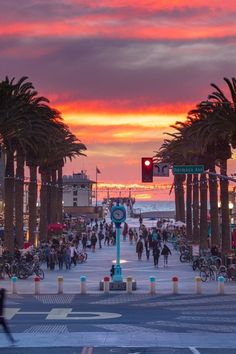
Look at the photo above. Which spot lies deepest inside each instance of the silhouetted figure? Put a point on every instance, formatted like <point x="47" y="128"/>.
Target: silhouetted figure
<point x="2" y="319"/>
<point x="112" y="271"/>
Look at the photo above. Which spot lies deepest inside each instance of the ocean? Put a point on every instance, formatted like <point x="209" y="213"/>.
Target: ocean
<point x="144" y="206"/>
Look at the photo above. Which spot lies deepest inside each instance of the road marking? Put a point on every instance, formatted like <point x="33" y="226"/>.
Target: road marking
<point x="194" y="350"/>
<point x="11" y="312"/>
<point x="63" y="314"/>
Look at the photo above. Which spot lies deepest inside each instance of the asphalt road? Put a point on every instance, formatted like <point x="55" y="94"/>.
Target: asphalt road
<point x="115" y="350"/>
<point x="121" y="323"/>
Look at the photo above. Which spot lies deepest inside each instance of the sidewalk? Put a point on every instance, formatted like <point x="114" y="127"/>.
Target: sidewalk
<point x="99" y="263"/>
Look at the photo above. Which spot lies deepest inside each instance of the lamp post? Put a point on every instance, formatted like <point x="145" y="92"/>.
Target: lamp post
<point x="231" y="206"/>
<point x="96" y="190"/>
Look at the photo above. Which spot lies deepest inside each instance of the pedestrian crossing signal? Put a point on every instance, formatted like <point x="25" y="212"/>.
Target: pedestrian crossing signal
<point x="147" y="169"/>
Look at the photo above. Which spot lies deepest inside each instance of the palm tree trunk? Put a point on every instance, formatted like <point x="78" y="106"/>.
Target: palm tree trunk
<point x="43" y="225"/>
<point x="49" y="193"/>
<point x="9" y="203"/>
<point x="19" y="199"/>
<point x="214" y="213"/>
<point x="189" y="227"/>
<point x="60" y="195"/>
<point x="196" y="234"/>
<point x="224" y="198"/>
<point x="177" y="206"/>
<point x="33" y="194"/>
<point x="53" y="196"/>
<point x="203" y="213"/>
<point x="181" y="198"/>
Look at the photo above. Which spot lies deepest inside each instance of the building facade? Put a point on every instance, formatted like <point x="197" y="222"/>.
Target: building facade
<point x="77" y="190"/>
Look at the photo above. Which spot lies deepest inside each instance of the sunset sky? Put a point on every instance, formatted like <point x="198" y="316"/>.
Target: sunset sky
<point x="120" y="71"/>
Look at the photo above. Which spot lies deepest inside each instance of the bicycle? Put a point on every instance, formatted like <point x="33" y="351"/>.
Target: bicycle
<point x="186" y="257"/>
<point x="208" y="272"/>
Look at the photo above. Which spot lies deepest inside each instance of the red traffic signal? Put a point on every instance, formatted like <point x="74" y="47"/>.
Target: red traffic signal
<point x="147" y="169"/>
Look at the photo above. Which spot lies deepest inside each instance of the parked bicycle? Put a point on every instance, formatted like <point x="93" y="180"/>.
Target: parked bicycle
<point x="208" y="272"/>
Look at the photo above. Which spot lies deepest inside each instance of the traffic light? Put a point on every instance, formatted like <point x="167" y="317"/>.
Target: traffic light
<point x="147" y="169"/>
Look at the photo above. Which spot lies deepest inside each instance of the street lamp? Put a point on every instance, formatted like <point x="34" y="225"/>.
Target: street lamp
<point x="231" y="206"/>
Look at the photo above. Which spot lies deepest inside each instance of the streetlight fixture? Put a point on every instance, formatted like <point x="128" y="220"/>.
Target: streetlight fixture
<point x="231" y="206"/>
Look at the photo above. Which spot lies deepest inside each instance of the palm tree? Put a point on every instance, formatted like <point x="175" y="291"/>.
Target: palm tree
<point x="217" y="131"/>
<point x="13" y="97"/>
<point x="171" y="152"/>
<point x="43" y="119"/>
<point x="65" y="145"/>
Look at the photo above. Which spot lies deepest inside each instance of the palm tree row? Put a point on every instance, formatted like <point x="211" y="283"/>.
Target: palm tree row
<point x="207" y="137"/>
<point x="32" y="134"/>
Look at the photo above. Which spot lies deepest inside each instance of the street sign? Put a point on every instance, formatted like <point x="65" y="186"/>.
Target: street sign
<point x="161" y="169"/>
<point x="187" y="169"/>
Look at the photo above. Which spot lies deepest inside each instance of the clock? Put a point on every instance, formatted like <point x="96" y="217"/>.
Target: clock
<point x="118" y="214"/>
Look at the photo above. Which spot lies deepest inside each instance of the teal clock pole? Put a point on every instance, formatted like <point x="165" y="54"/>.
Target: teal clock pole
<point x="118" y="215"/>
<point x="118" y="273"/>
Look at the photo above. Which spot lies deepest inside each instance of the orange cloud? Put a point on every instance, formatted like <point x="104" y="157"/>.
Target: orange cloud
<point x="174" y="31"/>
<point x="69" y="108"/>
<point x="106" y="134"/>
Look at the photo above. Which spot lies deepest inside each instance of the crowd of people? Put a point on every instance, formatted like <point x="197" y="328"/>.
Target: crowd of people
<point x="64" y="250"/>
<point x="153" y="241"/>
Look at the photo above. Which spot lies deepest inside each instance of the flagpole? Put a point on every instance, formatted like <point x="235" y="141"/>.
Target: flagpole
<point x="96" y="190"/>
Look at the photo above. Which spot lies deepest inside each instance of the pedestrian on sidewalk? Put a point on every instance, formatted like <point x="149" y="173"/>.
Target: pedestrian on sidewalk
<point x="155" y="253"/>
<point x="100" y="238"/>
<point x="147" y="249"/>
<point x="125" y="231"/>
<point x="84" y="241"/>
<point x="131" y="236"/>
<point x="165" y="252"/>
<point x="112" y="271"/>
<point x="93" y="241"/>
<point x="139" y="249"/>
<point x="107" y="238"/>
<point x="2" y="318"/>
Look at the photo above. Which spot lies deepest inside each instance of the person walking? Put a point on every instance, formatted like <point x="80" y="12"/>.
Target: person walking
<point x="165" y="252"/>
<point x="131" y="236"/>
<point x="107" y="238"/>
<point x="100" y="238"/>
<point x="93" y="241"/>
<point x="112" y="271"/>
<point x="125" y="231"/>
<point x="2" y="318"/>
<point x="155" y="253"/>
<point x="139" y="249"/>
<point x="147" y="249"/>
<point x="84" y="241"/>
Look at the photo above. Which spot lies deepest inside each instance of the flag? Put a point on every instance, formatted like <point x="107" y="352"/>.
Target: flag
<point x="97" y="170"/>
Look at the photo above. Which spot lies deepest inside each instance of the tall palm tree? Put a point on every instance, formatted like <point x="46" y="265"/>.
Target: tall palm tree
<point x="171" y="152"/>
<point x="65" y="145"/>
<point x="13" y="98"/>
<point x="216" y="136"/>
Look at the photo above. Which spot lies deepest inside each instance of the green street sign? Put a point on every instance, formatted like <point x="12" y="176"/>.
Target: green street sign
<point x="187" y="169"/>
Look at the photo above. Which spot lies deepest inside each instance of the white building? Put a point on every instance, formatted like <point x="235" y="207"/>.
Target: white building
<point x="77" y="190"/>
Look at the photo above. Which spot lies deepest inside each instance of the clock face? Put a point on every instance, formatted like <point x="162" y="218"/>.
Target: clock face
<point x="118" y="214"/>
